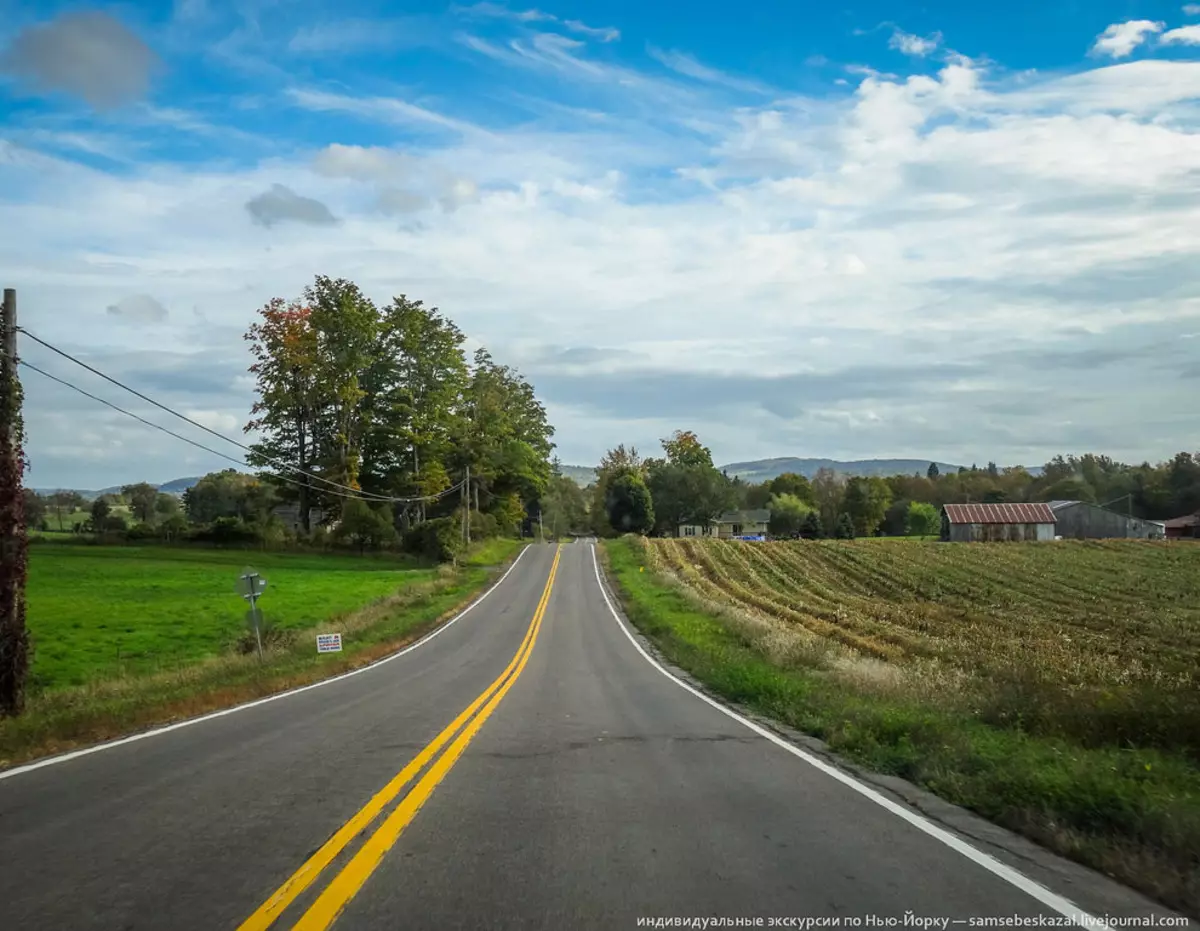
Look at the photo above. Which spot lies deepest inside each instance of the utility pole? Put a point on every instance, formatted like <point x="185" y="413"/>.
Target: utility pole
<point x="14" y="640"/>
<point x="467" y="508"/>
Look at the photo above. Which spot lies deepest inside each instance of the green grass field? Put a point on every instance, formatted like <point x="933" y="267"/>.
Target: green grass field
<point x="97" y="612"/>
<point x="126" y="638"/>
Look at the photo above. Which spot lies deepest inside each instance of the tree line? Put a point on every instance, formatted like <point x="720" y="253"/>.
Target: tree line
<point x="656" y="496"/>
<point x="372" y="423"/>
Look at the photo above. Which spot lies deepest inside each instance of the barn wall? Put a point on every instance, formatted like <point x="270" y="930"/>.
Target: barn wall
<point x="1095" y="523"/>
<point x="997" y="533"/>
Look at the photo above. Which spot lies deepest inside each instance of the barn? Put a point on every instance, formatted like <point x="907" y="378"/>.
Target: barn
<point x="989" y="523"/>
<point x="1079" y="520"/>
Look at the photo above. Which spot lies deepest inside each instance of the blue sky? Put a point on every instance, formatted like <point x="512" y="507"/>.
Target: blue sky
<point x="934" y="230"/>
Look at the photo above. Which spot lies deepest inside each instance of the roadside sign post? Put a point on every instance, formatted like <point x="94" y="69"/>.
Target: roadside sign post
<point x="250" y="586"/>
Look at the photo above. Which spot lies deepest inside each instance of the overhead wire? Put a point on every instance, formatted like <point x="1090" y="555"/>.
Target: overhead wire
<point x="209" y="449"/>
<point x="174" y="413"/>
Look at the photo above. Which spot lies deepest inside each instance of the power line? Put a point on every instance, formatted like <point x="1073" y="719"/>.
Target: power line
<point x="356" y="493"/>
<point x="209" y="449"/>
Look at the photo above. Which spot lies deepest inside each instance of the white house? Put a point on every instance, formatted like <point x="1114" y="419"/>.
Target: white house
<point x="731" y="525"/>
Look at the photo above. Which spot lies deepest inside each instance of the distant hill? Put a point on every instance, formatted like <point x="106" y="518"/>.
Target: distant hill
<point x="174" y="487"/>
<point x="581" y="475"/>
<point x="761" y="470"/>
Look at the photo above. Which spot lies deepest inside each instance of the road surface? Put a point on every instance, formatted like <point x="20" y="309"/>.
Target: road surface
<point x="584" y="788"/>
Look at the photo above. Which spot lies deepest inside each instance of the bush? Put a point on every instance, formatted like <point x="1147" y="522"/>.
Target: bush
<point x="225" y="531"/>
<point x="483" y="525"/>
<point x="142" y="531"/>
<point x="439" y="539"/>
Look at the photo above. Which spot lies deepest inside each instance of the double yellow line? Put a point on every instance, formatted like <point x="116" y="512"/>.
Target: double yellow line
<point x="325" y="910"/>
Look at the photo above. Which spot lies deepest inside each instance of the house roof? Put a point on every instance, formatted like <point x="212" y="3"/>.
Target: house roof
<point x="1000" y="513"/>
<point x="752" y="516"/>
<point x="1178" y="523"/>
<point x="1055" y="505"/>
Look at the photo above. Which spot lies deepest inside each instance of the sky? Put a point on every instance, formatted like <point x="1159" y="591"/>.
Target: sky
<point x="939" y="230"/>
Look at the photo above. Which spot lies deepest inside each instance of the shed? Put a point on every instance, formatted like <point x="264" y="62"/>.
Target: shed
<point x="1080" y="520"/>
<point x="1183" y="528"/>
<point x="982" y="523"/>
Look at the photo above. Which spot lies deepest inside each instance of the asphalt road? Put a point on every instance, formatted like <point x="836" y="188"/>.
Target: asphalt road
<point x="589" y="791"/>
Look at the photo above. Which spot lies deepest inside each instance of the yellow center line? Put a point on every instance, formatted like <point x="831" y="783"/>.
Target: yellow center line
<point x="272" y="908"/>
<point x="350" y="880"/>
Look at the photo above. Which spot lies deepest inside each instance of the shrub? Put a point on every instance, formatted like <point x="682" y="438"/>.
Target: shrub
<point x="142" y="531"/>
<point x="439" y="539"/>
<point x="225" y="531"/>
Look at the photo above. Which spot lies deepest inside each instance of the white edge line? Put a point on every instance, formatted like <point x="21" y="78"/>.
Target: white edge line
<point x="1011" y="876"/>
<point x="108" y="745"/>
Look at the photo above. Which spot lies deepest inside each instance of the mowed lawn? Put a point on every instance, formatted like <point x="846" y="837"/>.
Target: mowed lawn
<point x="100" y="612"/>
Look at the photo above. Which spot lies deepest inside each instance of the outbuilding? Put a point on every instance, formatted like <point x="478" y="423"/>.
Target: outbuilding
<point x="990" y="523"/>
<point x="1183" y="528"/>
<point x="1079" y="520"/>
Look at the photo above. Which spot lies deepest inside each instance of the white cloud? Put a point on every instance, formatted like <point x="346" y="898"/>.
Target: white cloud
<point x="1120" y="39"/>
<point x="917" y="46"/>
<point x="386" y="109"/>
<point x="685" y="64"/>
<point x="813" y="274"/>
<point x="1191" y="9"/>
<point x="498" y="11"/>
<point x="1184" y="35"/>
<point x="350" y="35"/>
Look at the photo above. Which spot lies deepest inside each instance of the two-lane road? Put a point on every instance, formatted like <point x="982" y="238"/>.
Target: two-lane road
<point x="526" y="767"/>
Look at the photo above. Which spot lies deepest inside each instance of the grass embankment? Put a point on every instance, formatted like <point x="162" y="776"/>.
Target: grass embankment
<point x="1050" y="688"/>
<point x="176" y="620"/>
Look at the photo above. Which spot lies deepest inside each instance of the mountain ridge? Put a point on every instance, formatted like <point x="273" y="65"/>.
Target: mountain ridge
<point x="760" y="470"/>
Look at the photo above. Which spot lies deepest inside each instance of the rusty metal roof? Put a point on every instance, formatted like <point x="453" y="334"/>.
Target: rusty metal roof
<point x="1000" y="513"/>
<point x="1178" y="523"/>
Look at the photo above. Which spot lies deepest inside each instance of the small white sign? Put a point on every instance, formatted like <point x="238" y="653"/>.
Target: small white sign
<point x="329" y="643"/>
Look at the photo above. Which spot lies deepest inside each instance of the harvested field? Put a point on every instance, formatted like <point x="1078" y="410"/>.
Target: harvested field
<point x="1099" y="640"/>
<point x="1051" y="687"/>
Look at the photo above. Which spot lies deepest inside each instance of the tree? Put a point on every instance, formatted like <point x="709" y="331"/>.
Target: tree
<point x="284" y="346"/>
<point x="628" y="504"/>
<point x="932" y="472"/>
<point x="414" y="401"/>
<point x="827" y="488"/>
<point x="228" y="494"/>
<point x="683" y="448"/>
<point x="100" y="511"/>
<point x="844" y="528"/>
<point x="564" y="508"/>
<point x="63" y="503"/>
<point x="363" y="526"/>
<point x="923" y="520"/>
<point x="685" y="486"/>
<point x="810" y="527"/>
<point x="165" y="506"/>
<point x="789" y="483"/>
<point x="141" y="498"/>
<point x="788" y="513"/>
<point x="35" y="507"/>
<point x="866" y="500"/>
<point x="615" y="462"/>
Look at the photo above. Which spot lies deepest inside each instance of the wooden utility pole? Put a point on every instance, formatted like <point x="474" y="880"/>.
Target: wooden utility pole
<point x="14" y="640"/>
<point x="467" y="509"/>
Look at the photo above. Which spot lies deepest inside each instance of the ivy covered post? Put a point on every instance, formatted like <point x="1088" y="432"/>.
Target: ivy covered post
<point x="14" y="640"/>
